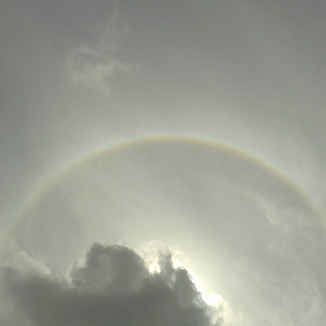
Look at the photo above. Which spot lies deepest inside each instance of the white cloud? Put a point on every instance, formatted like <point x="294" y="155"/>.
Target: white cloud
<point x="92" y="68"/>
<point x="111" y="285"/>
<point x="95" y="66"/>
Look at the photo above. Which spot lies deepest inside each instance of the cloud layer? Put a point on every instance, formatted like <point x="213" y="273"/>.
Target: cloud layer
<point x="111" y="285"/>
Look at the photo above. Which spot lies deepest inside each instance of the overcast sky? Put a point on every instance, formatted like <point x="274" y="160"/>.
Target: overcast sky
<point x="208" y="120"/>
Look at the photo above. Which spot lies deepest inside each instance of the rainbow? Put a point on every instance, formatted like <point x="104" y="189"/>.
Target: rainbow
<point x="127" y="144"/>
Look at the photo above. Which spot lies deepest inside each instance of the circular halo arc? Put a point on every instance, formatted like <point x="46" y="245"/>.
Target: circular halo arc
<point x="124" y="145"/>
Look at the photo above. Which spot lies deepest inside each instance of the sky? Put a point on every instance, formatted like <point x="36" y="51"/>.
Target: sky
<point x="162" y="162"/>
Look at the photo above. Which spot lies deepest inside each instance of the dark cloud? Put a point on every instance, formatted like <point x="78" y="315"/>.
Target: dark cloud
<point x="112" y="285"/>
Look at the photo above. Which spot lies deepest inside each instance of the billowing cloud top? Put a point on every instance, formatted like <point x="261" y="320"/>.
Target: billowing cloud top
<point x="111" y="285"/>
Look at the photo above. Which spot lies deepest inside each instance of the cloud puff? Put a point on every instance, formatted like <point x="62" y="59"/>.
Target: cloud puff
<point x="111" y="285"/>
<point x="94" y="68"/>
<point x="95" y="65"/>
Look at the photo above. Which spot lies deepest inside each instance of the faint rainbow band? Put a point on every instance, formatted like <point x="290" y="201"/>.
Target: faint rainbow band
<point x="37" y="195"/>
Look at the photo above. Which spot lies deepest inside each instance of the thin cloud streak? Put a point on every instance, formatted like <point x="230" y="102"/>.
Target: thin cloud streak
<point x="95" y="65"/>
<point x="89" y="67"/>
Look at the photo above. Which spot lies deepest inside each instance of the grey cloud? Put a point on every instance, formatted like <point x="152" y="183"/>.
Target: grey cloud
<point x="112" y="285"/>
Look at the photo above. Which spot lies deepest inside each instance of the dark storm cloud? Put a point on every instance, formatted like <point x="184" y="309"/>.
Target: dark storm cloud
<point x="111" y="286"/>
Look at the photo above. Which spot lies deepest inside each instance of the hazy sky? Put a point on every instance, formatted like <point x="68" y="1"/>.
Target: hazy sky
<point x="207" y="119"/>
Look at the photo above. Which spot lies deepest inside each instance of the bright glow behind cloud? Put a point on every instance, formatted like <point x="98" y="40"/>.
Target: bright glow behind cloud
<point x="110" y="285"/>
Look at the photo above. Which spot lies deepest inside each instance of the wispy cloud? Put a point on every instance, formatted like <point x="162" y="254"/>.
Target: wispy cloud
<point x="93" y="68"/>
<point x="95" y="65"/>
